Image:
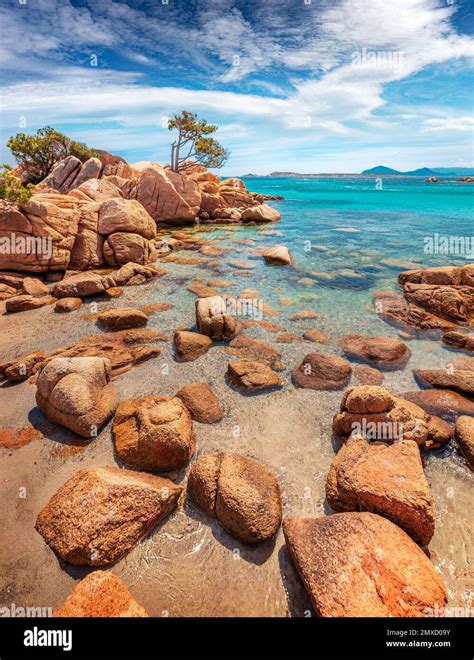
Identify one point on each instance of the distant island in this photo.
(374, 171)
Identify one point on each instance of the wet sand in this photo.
(188, 565)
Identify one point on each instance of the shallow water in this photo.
(189, 566)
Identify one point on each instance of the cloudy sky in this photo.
(301, 85)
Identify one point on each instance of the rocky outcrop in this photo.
(190, 345)
(122, 318)
(240, 492)
(254, 349)
(362, 565)
(71, 173)
(100, 594)
(252, 376)
(384, 352)
(213, 320)
(77, 393)
(99, 514)
(168, 197)
(261, 213)
(39, 236)
(464, 434)
(322, 371)
(394, 309)
(154, 433)
(377, 414)
(202, 403)
(385, 479)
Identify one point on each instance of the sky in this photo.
(294, 85)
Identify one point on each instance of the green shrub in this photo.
(11, 188)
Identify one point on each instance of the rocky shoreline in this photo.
(108, 398)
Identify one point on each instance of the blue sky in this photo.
(300, 85)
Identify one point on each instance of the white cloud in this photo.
(464, 124)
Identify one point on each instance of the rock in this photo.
(460, 380)
(100, 594)
(99, 514)
(81, 285)
(453, 303)
(322, 371)
(261, 213)
(202, 291)
(213, 320)
(377, 414)
(190, 345)
(255, 349)
(122, 318)
(167, 196)
(95, 190)
(77, 393)
(32, 286)
(124, 348)
(384, 352)
(240, 492)
(154, 433)
(368, 375)
(442, 403)
(46, 225)
(459, 339)
(385, 479)
(201, 402)
(362, 565)
(277, 256)
(252, 376)
(67, 305)
(6, 291)
(62, 174)
(441, 275)
(304, 314)
(25, 303)
(21, 369)
(464, 434)
(122, 247)
(316, 336)
(125, 215)
(439, 431)
(91, 169)
(392, 307)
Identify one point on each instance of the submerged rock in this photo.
(322, 371)
(99, 514)
(77, 393)
(240, 492)
(385, 479)
(252, 376)
(255, 349)
(384, 352)
(154, 433)
(100, 594)
(362, 565)
(277, 256)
